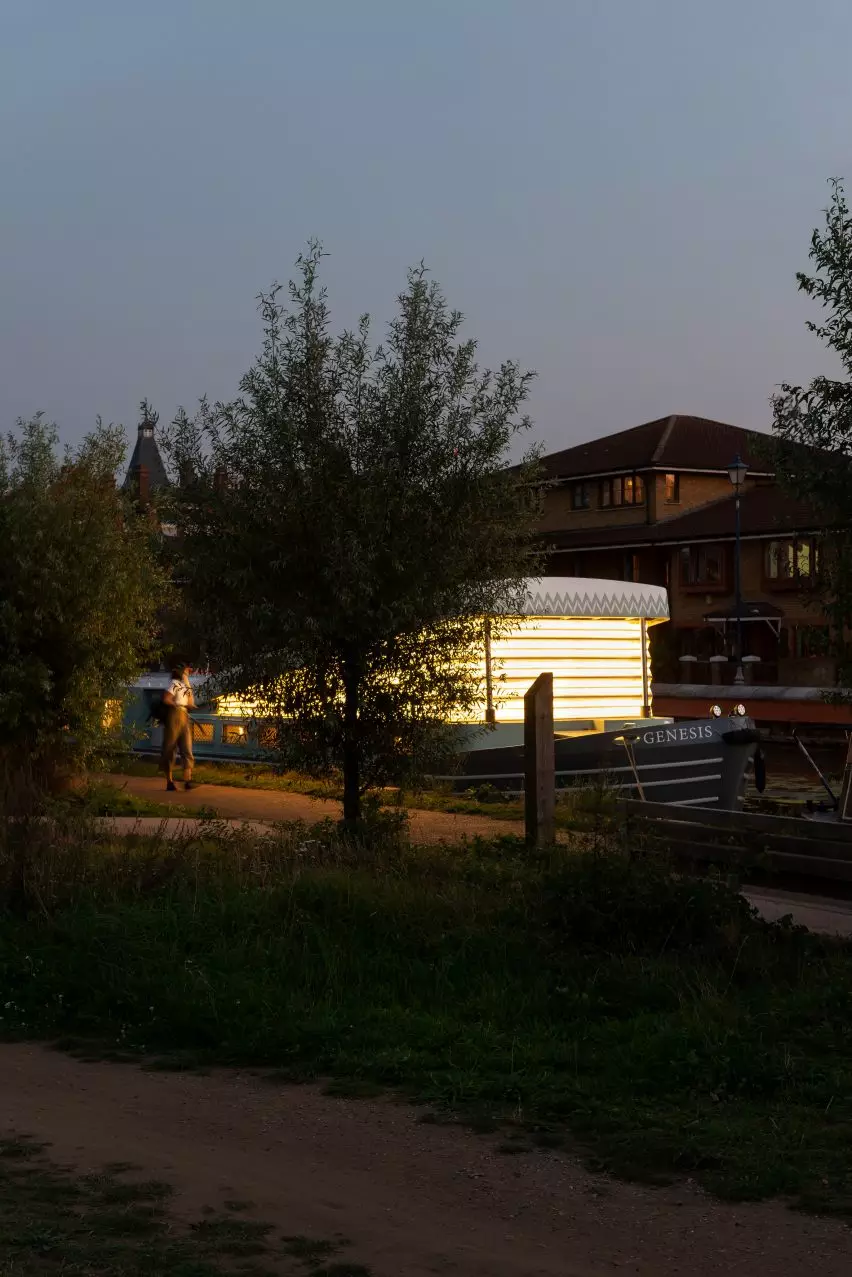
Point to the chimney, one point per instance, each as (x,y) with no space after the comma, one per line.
(220,479)
(144,485)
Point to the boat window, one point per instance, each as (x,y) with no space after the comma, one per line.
(234,734)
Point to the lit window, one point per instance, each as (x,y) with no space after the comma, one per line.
(628,490)
(202,732)
(791,560)
(234,734)
(672,488)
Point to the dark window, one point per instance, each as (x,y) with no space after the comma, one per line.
(630,567)
(673,488)
(791,560)
(702,565)
(581,496)
(626,490)
(803,641)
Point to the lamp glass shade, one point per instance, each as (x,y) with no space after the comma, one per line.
(737,471)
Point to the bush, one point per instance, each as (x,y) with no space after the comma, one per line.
(656,1016)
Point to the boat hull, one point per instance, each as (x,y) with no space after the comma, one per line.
(700,763)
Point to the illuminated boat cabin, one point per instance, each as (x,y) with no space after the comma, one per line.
(591,635)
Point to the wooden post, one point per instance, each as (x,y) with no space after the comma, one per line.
(539,763)
(490,716)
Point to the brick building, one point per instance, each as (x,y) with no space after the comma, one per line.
(656,504)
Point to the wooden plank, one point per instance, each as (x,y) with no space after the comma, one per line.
(757,844)
(817,868)
(737,821)
(539,763)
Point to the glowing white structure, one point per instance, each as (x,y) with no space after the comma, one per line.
(592,636)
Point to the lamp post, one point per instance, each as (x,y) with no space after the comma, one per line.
(737,472)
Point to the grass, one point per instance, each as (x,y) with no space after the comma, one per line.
(101,798)
(655,1018)
(55,1221)
(234,775)
(783,792)
(482,800)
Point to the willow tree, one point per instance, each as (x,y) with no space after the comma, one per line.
(349,521)
(79,590)
(811,448)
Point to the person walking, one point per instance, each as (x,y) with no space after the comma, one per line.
(177,730)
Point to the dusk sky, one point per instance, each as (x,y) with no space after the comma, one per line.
(617,193)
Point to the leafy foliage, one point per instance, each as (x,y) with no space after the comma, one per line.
(349,521)
(79,586)
(812,445)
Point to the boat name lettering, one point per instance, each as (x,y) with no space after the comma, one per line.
(666,735)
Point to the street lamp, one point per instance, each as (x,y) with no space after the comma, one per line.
(737,472)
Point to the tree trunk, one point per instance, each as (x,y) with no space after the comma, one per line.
(351,749)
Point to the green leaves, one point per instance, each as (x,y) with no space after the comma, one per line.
(79,589)
(811,449)
(348,521)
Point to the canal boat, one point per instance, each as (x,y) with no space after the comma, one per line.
(593,636)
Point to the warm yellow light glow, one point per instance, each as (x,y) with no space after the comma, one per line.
(111,720)
(596,664)
(234,707)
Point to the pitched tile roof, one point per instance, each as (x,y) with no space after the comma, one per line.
(764,509)
(671,443)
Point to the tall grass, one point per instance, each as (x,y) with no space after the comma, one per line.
(654,1016)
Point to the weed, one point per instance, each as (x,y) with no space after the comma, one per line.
(654,1016)
(309,1250)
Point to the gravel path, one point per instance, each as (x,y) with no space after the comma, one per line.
(413,1198)
(264,805)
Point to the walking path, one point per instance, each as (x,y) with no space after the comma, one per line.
(412,1198)
(270,806)
(256,809)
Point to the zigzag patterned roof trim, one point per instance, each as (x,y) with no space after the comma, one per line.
(583,597)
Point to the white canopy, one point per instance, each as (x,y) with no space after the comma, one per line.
(584,596)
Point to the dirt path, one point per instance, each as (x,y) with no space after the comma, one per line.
(260,804)
(414,1199)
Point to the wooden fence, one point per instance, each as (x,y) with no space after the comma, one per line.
(778,846)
